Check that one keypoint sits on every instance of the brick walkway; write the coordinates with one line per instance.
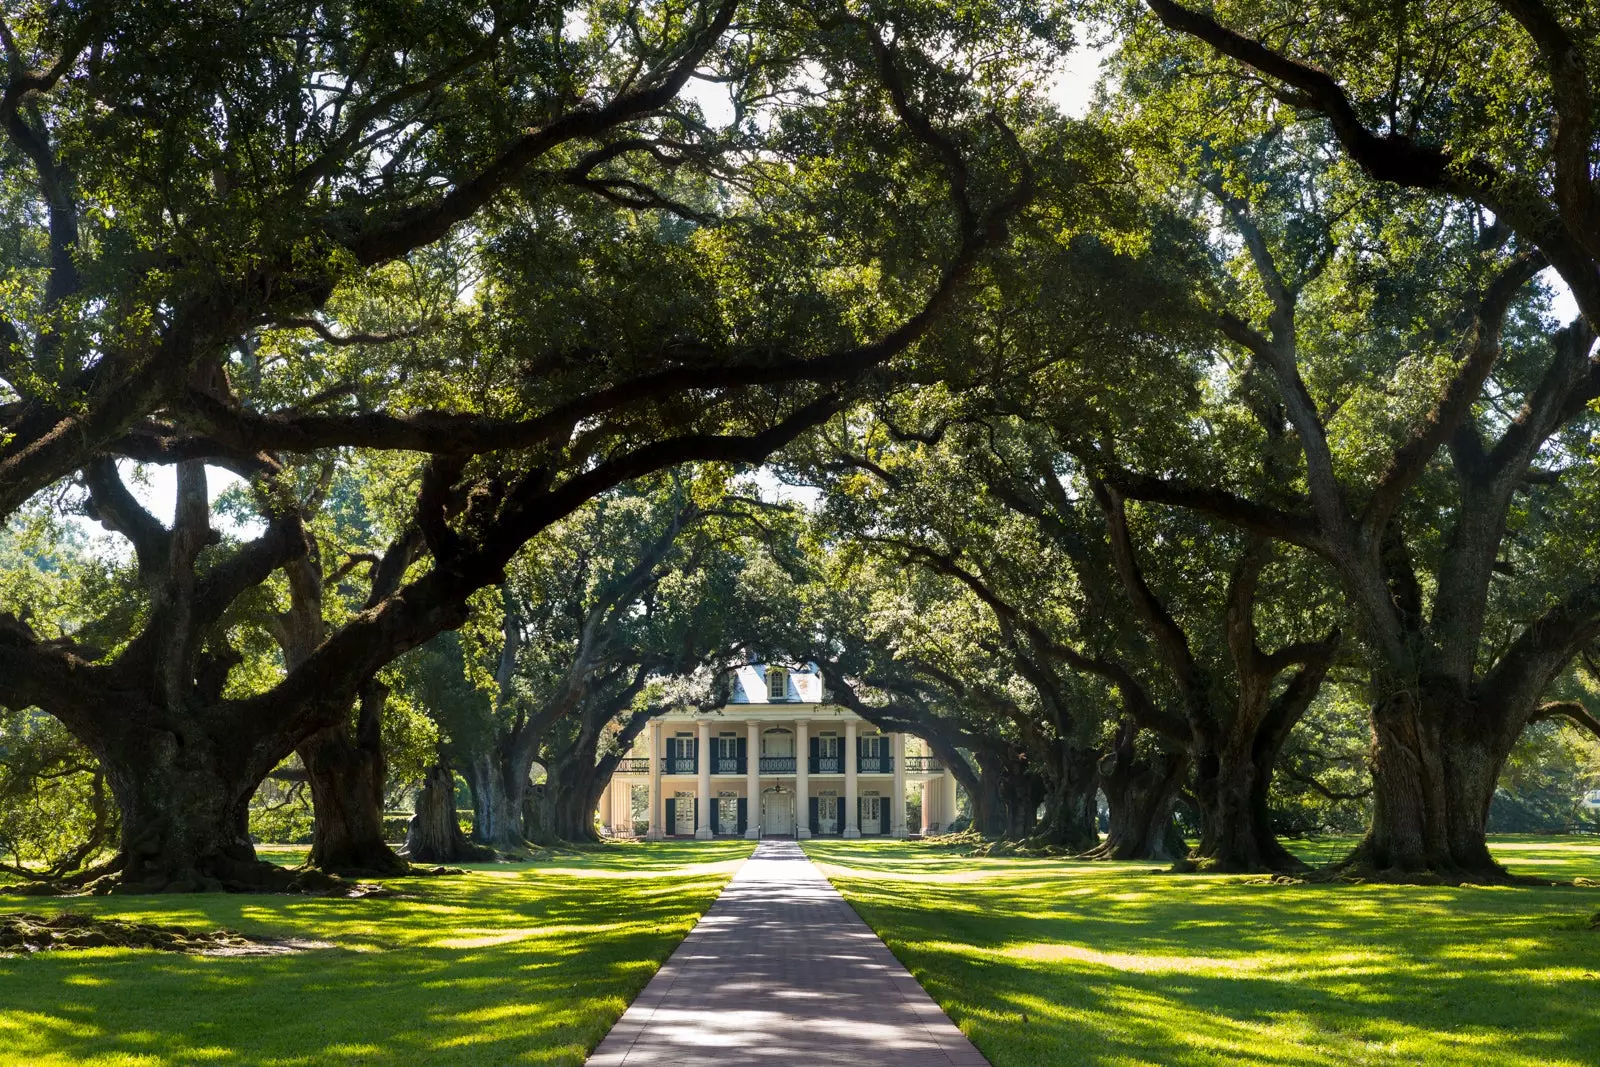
(782, 971)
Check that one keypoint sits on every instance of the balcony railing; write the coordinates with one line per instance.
(633, 765)
(924, 765)
(726, 765)
(827, 764)
(875, 764)
(777, 764)
(679, 765)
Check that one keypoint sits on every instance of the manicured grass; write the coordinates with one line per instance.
(1057, 962)
(528, 963)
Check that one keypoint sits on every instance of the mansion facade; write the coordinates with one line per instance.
(775, 761)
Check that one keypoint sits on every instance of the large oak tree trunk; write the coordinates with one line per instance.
(435, 835)
(1231, 788)
(497, 801)
(563, 808)
(1008, 797)
(347, 774)
(1435, 762)
(185, 814)
(1070, 809)
(1140, 791)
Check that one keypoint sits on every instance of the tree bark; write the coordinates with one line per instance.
(562, 809)
(1070, 814)
(1141, 790)
(498, 792)
(347, 773)
(185, 814)
(1435, 765)
(434, 835)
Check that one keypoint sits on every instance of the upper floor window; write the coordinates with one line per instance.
(777, 684)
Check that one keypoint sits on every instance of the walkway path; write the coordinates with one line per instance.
(782, 971)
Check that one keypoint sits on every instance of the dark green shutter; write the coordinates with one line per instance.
(815, 810)
(672, 816)
(743, 754)
(860, 805)
(816, 751)
(744, 815)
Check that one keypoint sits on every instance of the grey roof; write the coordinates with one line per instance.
(750, 686)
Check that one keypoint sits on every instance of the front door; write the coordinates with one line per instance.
(871, 815)
(777, 813)
(727, 815)
(683, 815)
(828, 815)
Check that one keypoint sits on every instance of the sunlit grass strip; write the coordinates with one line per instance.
(1046, 962)
(529, 963)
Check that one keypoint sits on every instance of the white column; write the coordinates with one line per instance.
(622, 806)
(752, 782)
(897, 803)
(852, 828)
(605, 807)
(655, 832)
(947, 798)
(802, 788)
(928, 799)
(702, 828)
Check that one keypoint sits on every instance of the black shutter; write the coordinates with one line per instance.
(744, 813)
(816, 750)
(743, 753)
(815, 810)
(672, 816)
(859, 806)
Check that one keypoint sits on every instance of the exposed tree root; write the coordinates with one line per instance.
(1289, 868)
(21, 932)
(1362, 866)
(1362, 873)
(221, 875)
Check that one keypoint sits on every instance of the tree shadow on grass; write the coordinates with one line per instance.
(1111, 967)
(522, 965)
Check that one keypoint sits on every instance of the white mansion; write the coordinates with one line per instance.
(775, 760)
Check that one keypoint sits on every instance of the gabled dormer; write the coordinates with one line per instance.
(759, 683)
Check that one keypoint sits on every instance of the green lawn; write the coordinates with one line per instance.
(1055, 962)
(527, 962)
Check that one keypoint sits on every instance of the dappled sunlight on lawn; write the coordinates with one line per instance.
(1046, 961)
(529, 962)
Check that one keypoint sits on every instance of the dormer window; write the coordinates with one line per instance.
(777, 685)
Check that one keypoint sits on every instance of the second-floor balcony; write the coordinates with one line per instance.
(864, 764)
(691, 765)
(730, 765)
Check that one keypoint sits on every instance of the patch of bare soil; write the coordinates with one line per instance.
(21, 932)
